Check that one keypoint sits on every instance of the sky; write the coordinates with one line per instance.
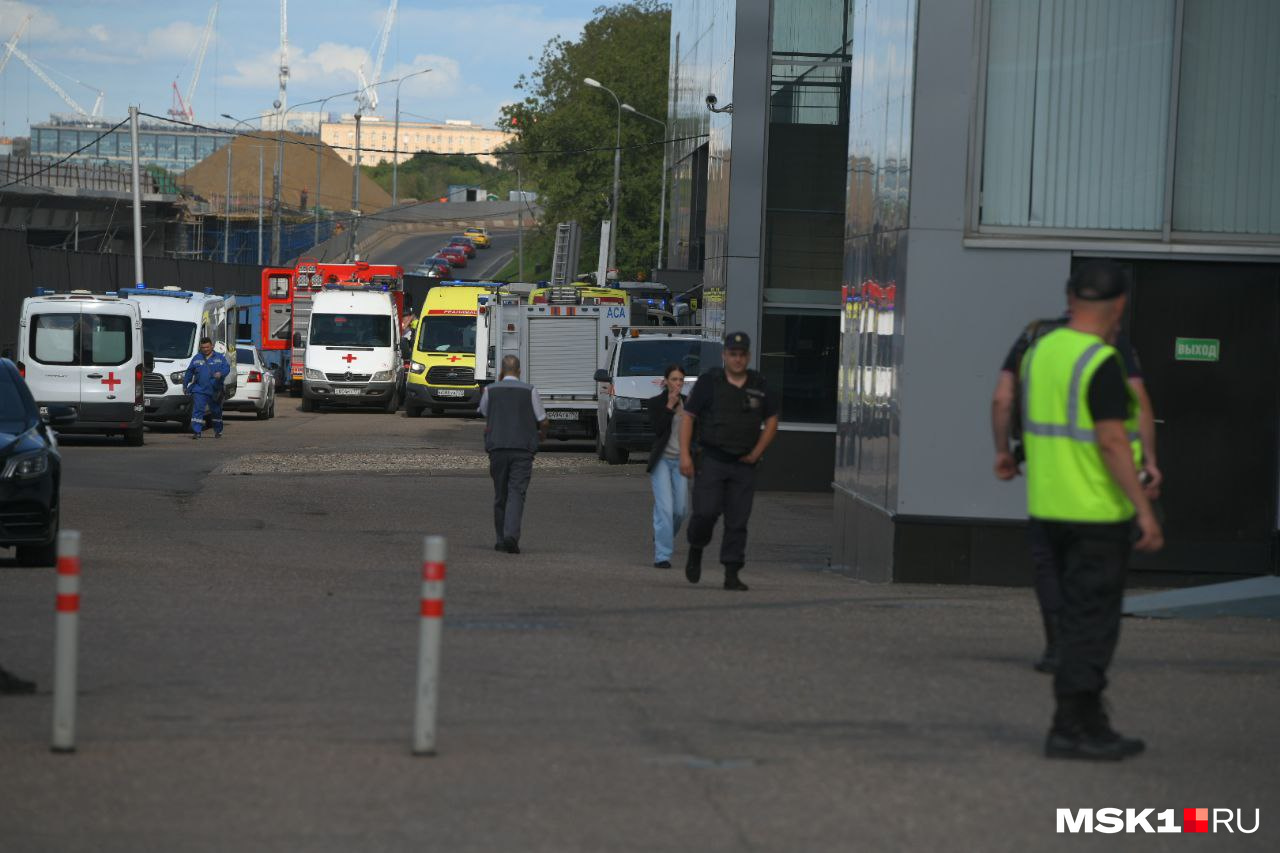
(133, 50)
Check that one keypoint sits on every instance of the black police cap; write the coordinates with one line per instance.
(737, 340)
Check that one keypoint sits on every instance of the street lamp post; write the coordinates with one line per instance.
(662, 204)
(395, 143)
(617, 173)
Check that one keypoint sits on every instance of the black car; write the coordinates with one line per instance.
(30, 470)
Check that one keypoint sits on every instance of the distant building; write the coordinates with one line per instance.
(168, 146)
(377, 139)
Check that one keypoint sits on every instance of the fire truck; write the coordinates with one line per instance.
(286, 302)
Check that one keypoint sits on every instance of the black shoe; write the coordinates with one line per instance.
(1098, 725)
(1078, 744)
(731, 578)
(1048, 662)
(662, 564)
(693, 566)
(217, 435)
(1081, 729)
(11, 685)
(512, 546)
(195, 435)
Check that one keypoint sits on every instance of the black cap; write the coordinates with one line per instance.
(1099, 281)
(737, 340)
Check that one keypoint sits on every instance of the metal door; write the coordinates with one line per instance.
(51, 352)
(107, 358)
(1208, 337)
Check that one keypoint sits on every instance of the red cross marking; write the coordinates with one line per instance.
(111, 382)
(455, 358)
(348, 358)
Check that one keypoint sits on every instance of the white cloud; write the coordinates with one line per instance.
(44, 24)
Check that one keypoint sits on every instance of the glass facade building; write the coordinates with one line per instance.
(982, 149)
(165, 146)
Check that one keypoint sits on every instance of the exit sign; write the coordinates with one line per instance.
(1196, 349)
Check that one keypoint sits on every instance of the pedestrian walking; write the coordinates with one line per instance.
(670, 488)
(736, 417)
(514, 424)
(1080, 430)
(203, 381)
(1006, 430)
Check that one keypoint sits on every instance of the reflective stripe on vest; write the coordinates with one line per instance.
(1067, 479)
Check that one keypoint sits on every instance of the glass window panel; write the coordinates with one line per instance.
(800, 359)
(166, 147)
(1077, 111)
(1226, 179)
(107, 145)
(107, 339)
(53, 338)
(186, 148)
(205, 145)
(147, 145)
(125, 143)
(68, 141)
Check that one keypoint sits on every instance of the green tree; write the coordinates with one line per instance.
(428, 176)
(625, 47)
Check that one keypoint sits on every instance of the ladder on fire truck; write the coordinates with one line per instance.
(564, 258)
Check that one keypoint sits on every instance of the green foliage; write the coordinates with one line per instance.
(625, 47)
(428, 176)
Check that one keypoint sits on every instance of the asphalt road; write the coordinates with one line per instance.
(409, 250)
(248, 640)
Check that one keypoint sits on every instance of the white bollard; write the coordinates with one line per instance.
(431, 625)
(66, 642)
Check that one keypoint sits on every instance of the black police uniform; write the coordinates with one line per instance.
(728, 422)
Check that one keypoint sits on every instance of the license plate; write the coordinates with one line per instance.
(346, 392)
(562, 416)
(451, 392)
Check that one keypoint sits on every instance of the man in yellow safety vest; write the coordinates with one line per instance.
(1083, 449)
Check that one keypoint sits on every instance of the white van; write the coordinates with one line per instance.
(173, 322)
(85, 350)
(353, 349)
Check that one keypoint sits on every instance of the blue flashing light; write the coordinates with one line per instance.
(44, 291)
(140, 286)
(208, 291)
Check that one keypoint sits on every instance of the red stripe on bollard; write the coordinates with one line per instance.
(68, 565)
(433, 571)
(68, 604)
(432, 608)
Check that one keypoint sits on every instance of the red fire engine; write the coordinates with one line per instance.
(286, 301)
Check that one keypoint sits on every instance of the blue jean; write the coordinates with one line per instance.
(670, 505)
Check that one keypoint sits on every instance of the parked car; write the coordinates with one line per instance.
(465, 244)
(478, 235)
(457, 257)
(255, 385)
(30, 470)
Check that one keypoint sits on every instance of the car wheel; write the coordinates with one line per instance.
(437, 410)
(393, 404)
(134, 437)
(599, 446)
(412, 411)
(308, 405)
(263, 413)
(613, 454)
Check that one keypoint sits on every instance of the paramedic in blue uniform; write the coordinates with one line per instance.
(203, 381)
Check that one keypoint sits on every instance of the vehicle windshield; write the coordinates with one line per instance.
(168, 338)
(448, 334)
(651, 357)
(15, 410)
(350, 330)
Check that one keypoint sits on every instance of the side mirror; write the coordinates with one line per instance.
(149, 361)
(297, 340)
(59, 415)
(602, 375)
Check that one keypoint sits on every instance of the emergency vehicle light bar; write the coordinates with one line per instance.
(143, 291)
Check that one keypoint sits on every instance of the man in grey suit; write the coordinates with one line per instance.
(516, 422)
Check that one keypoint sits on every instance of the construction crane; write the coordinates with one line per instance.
(282, 98)
(184, 108)
(13, 42)
(368, 97)
(58, 90)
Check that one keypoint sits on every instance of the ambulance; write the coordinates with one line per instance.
(173, 322)
(352, 351)
(85, 350)
(442, 367)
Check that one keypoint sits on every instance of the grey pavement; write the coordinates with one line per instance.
(249, 628)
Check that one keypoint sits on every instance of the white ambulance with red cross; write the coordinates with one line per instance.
(85, 350)
(353, 349)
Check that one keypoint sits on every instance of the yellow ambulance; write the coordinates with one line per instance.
(442, 370)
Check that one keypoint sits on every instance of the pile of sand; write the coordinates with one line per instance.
(208, 178)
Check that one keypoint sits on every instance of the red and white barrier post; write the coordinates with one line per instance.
(66, 642)
(431, 626)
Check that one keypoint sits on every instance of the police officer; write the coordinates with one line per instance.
(1080, 431)
(515, 422)
(203, 381)
(737, 419)
(1007, 433)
